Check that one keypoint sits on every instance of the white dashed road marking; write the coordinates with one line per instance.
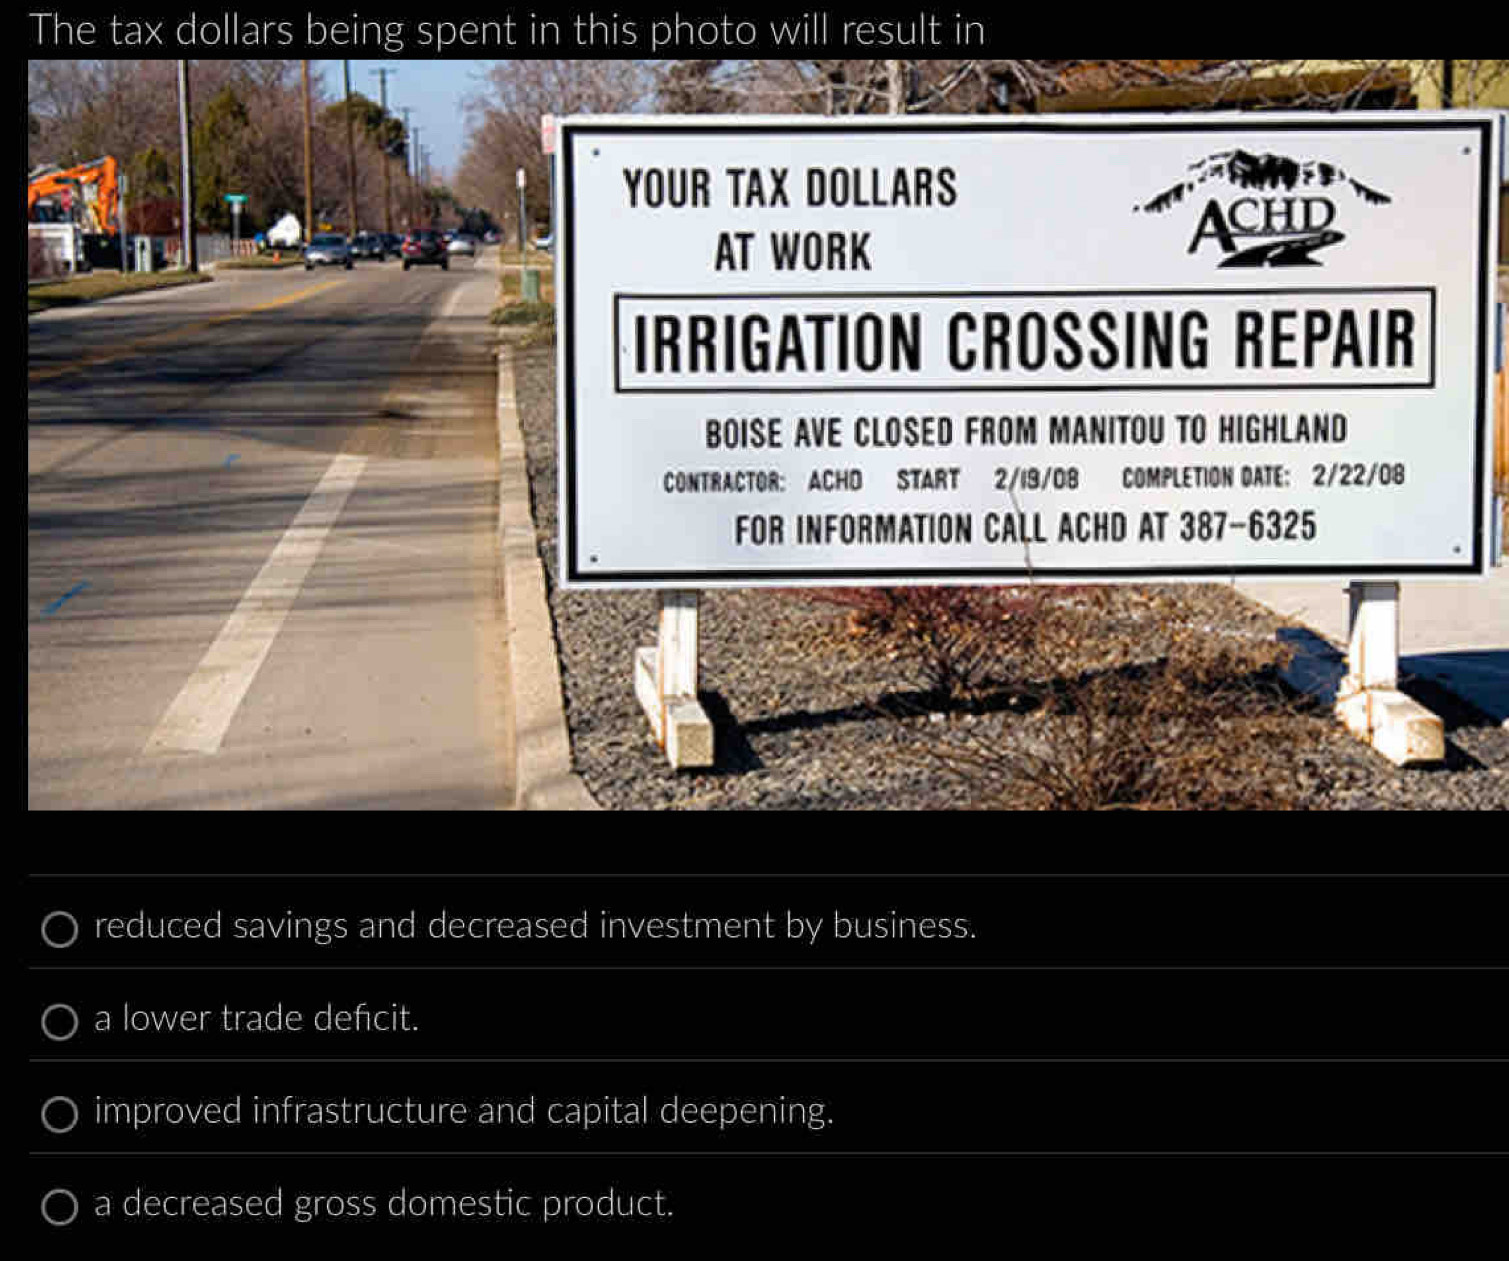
(197, 720)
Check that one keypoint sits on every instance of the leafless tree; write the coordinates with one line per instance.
(129, 110)
(504, 113)
(981, 85)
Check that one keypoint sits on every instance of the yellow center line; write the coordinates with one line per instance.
(120, 352)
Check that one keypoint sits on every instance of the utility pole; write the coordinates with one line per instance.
(308, 162)
(414, 177)
(408, 144)
(382, 73)
(350, 151)
(186, 170)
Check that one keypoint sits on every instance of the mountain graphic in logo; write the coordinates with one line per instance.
(1284, 203)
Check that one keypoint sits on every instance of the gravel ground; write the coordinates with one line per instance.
(813, 712)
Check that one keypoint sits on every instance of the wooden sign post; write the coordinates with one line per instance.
(1369, 700)
(665, 680)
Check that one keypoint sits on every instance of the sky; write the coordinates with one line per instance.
(433, 91)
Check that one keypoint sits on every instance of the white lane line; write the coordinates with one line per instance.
(449, 308)
(196, 722)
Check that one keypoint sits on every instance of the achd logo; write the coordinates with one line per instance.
(1278, 213)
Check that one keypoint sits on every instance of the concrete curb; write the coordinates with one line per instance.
(543, 775)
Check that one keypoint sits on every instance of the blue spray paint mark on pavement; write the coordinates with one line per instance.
(62, 600)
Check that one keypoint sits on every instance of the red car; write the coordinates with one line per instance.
(423, 245)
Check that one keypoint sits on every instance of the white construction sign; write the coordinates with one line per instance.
(891, 351)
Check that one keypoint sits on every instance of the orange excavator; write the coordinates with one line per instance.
(88, 195)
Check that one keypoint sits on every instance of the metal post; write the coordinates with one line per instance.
(547, 139)
(186, 170)
(121, 213)
(520, 178)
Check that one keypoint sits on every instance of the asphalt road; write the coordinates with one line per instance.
(261, 521)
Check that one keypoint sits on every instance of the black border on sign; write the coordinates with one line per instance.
(1224, 386)
(568, 136)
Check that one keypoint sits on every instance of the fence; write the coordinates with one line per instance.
(209, 248)
(56, 250)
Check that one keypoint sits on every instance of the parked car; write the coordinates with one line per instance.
(393, 243)
(369, 245)
(462, 244)
(422, 246)
(327, 250)
(545, 244)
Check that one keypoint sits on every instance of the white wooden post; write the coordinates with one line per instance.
(665, 681)
(677, 643)
(1373, 634)
(1369, 700)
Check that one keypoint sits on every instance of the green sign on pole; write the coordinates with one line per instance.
(237, 200)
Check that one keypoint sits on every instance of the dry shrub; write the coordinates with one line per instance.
(1209, 726)
(1096, 697)
(962, 641)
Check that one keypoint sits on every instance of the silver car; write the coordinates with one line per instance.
(327, 250)
(462, 244)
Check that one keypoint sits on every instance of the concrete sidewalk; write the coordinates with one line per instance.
(1455, 634)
